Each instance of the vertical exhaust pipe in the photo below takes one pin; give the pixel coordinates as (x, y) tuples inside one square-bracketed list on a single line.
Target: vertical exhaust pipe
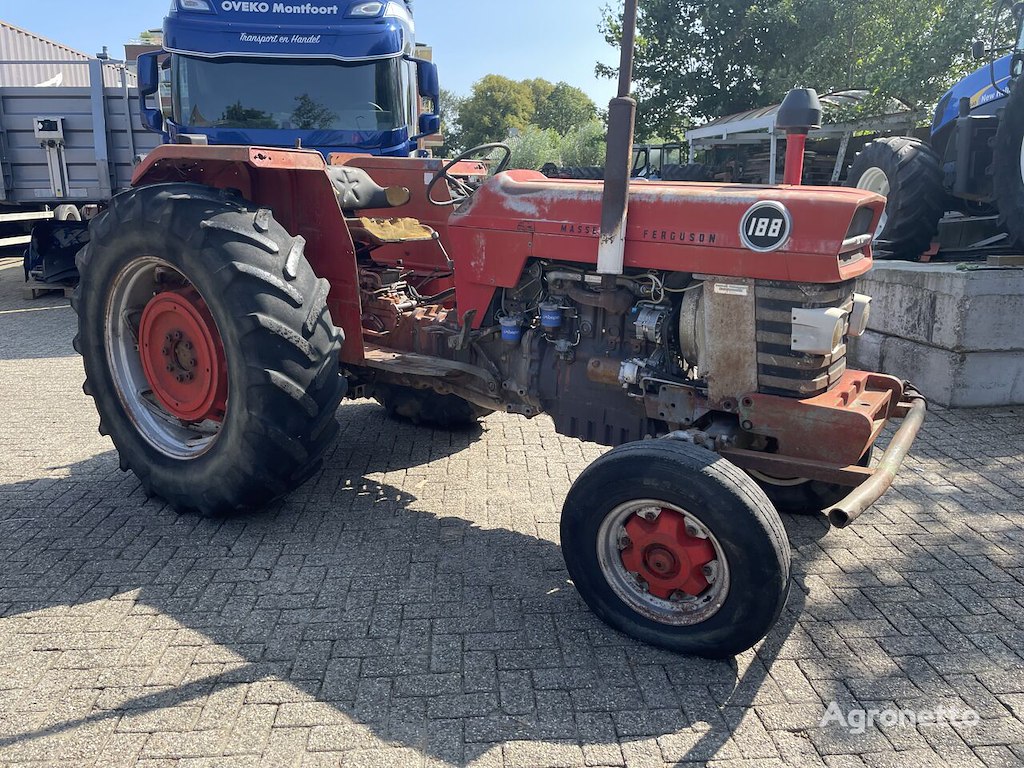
[(799, 114), (618, 164)]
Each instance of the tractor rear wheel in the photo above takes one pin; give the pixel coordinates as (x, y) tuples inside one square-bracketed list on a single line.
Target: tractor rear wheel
[(426, 407), (208, 347), (676, 547), (908, 173), (1008, 164)]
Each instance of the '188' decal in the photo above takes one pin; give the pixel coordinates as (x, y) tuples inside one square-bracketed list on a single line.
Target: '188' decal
[(766, 226)]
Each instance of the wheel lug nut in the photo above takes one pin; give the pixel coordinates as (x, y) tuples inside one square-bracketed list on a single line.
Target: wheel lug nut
[(193, 362), (170, 368), (188, 345), (168, 338), (166, 351), (177, 335)]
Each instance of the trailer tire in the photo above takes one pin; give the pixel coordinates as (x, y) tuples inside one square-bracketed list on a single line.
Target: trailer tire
[(804, 497), (67, 213), (909, 174), (256, 319), (428, 408), (738, 544), (1008, 164)]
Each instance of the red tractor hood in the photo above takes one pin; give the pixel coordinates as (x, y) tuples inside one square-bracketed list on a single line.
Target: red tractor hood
[(674, 226)]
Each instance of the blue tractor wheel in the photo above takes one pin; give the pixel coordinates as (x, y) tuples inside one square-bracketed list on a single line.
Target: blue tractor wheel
[(1008, 164)]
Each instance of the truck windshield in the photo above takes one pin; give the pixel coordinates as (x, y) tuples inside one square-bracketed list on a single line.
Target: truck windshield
[(304, 95)]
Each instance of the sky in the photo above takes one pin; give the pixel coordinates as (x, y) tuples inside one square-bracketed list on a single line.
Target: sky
[(471, 38)]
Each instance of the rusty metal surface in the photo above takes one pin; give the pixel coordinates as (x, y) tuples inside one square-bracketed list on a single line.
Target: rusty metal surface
[(785, 466), (731, 329), (836, 427)]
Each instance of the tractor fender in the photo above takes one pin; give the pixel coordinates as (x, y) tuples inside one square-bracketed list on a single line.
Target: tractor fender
[(294, 184)]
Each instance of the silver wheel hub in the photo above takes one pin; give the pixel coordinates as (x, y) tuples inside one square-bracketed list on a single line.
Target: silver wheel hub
[(875, 180), (663, 562), (132, 290)]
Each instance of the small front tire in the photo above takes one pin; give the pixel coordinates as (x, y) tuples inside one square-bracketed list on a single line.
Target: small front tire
[(676, 547)]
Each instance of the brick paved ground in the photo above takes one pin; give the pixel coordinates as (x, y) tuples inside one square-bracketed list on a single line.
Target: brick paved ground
[(409, 606)]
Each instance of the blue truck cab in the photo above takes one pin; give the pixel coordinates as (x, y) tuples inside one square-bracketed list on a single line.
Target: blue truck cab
[(333, 75)]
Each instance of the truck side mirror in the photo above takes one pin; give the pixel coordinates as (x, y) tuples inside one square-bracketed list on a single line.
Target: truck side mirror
[(149, 84), (427, 82), (978, 50), (429, 87), (430, 124)]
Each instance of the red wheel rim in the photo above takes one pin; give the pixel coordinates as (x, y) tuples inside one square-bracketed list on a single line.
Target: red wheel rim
[(183, 357), (668, 558)]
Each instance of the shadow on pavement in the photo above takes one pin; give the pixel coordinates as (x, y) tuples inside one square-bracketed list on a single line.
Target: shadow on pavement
[(393, 611)]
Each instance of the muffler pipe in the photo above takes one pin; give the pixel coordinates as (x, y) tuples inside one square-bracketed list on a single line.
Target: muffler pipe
[(866, 494), (618, 165)]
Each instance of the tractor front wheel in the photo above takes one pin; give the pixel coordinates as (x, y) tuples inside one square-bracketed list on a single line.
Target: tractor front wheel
[(208, 347), (676, 547), (1008, 165)]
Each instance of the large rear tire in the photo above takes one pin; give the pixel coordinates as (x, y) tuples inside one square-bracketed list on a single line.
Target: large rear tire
[(1008, 165), (208, 347), (908, 173), (676, 547)]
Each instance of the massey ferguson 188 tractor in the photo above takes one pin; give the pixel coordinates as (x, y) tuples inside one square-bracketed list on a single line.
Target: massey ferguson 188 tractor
[(236, 294)]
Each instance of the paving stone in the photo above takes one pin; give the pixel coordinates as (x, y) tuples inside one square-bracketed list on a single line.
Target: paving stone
[(408, 606)]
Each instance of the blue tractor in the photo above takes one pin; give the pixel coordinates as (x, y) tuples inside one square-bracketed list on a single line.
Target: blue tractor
[(973, 162), (331, 75)]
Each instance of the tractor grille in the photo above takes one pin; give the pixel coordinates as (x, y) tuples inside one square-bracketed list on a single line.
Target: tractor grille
[(780, 370)]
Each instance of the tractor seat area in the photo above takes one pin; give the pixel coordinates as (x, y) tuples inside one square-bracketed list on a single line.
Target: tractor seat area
[(376, 232), (357, 191)]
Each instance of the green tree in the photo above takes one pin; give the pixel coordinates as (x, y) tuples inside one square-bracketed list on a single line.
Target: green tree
[(310, 115), (532, 147), (584, 145), (450, 108), (496, 107), (238, 116), (540, 88), (697, 60), (564, 109)]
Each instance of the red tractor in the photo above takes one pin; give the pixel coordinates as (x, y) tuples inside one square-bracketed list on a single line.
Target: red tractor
[(235, 295)]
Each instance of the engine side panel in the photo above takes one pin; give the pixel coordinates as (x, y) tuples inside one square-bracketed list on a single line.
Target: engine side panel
[(676, 227)]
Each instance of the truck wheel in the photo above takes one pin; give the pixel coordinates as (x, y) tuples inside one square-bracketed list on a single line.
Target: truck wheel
[(424, 406), (1008, 164), (208, 347), (67, 213), (800, 496), (676, 547), (909, 174)]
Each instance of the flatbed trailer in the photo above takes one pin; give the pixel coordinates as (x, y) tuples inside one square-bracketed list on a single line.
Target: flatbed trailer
[(63, 149)]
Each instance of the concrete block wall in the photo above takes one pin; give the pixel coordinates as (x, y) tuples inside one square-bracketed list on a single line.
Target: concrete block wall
[(957, 335)]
